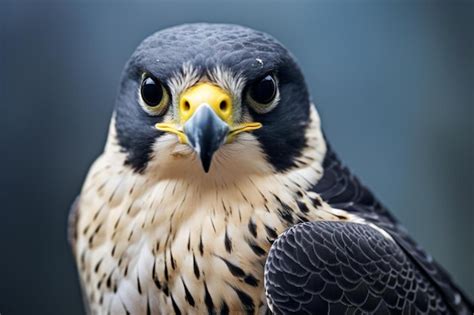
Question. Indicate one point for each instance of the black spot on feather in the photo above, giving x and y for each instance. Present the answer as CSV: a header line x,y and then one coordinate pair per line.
x,y
139,287
302,207
173,262
271,232
251,280
196,267
234,270
176,309
227,242
148,309
208,300
247,301
257,249
201,246
156,280
224,308
97,266
187,295
252,227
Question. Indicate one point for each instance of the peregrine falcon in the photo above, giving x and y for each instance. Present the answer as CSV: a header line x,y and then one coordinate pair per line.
x,y
218,193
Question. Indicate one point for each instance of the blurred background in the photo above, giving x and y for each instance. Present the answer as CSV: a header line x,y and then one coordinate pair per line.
x,y
393,81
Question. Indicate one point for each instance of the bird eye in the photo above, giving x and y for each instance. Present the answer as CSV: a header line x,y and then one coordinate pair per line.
x,y
154,96
262,94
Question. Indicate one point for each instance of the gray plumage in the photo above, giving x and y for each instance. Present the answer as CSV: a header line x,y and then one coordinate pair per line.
x,y
153,233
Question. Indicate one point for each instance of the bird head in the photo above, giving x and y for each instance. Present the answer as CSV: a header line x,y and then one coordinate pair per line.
x,y
206,94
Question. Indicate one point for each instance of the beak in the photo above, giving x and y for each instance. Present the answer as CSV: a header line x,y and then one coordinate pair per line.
x,y
206,132
206,121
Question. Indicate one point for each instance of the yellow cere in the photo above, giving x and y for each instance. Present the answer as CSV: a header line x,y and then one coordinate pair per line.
x,y
206,93
214,96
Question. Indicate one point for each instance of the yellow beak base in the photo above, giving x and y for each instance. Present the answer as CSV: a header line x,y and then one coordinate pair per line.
x,y
215,97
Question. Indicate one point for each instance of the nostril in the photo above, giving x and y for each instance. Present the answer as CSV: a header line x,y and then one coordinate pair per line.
x,y
186,106
223,106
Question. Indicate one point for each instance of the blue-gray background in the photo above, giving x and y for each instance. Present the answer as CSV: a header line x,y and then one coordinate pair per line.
x,y
393,81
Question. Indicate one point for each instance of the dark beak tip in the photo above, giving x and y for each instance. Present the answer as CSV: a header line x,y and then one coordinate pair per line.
x,y
206,162
206,166
206,132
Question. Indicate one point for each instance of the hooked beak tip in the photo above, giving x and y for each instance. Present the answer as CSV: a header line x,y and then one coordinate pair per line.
x,y
206,164
206,159
206,133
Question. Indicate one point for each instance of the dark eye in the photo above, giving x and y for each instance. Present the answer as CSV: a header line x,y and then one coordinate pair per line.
x,y
152,92
154,96
264,90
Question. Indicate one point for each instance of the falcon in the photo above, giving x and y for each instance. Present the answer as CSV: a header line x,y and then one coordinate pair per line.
x,y
218,193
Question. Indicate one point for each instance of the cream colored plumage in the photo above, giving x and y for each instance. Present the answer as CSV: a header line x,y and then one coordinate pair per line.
x,y
133,229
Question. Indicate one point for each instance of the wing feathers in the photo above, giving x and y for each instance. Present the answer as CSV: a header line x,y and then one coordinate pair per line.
x,y
343,267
